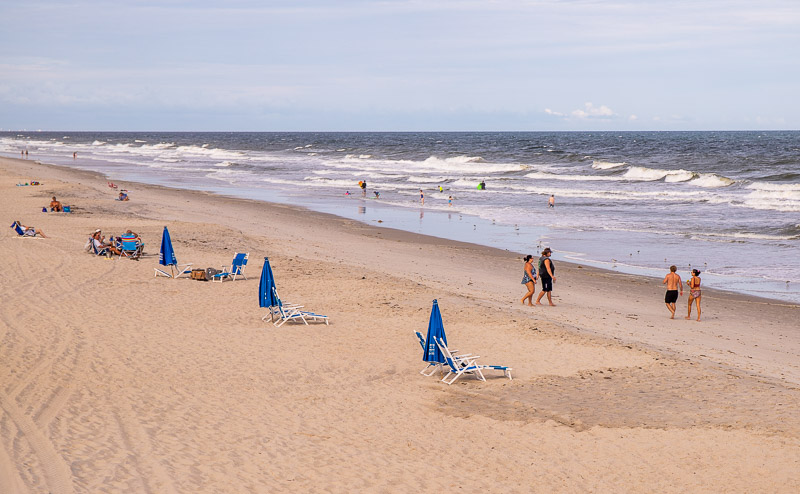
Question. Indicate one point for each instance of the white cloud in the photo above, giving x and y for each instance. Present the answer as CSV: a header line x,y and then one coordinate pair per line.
x,y
633,117
554,113
591,111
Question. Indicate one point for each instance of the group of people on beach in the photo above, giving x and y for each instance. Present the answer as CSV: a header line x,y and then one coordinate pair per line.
x,y
546,273
675,288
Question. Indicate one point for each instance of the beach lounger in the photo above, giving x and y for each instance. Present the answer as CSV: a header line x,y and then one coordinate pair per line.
x,y
466,365
286,312
179,270
437,365
29,233
235,269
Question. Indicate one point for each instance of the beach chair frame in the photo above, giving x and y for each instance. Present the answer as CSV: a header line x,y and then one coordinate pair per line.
x,y
467,365
292,312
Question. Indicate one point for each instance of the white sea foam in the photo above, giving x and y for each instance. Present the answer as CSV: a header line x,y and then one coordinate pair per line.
x,y
98,143
640,173
577,178
606,165
138,140
711,181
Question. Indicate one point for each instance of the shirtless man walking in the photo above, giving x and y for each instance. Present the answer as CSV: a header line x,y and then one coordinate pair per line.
x,y
673,282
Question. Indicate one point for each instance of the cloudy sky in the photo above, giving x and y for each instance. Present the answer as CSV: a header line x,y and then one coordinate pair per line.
x,y
399,65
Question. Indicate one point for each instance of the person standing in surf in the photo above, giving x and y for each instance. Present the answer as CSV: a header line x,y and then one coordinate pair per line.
x,y
547,274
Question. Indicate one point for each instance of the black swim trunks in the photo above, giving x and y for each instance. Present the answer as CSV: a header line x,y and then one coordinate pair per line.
x,y
547,284
671,297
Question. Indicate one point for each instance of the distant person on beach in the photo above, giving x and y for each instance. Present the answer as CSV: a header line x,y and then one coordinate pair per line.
x,y
450,201
26,153
25,229
377,194
674,283
363,185
123,197
547,274
482,185
529,279
75,155
441,189
347,193
421,197
694,293
55,205
552,201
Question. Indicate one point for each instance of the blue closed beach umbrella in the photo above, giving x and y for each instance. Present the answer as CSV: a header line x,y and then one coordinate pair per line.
x,y
435,331
166,256
266,287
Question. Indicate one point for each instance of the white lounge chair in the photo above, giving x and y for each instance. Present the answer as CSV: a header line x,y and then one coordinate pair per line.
x,y
175,270
287,312
436,365
466,365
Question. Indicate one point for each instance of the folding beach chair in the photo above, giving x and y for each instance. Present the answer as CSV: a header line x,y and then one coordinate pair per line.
x,y
437,365
235,269
130,247
467,365
286,312
175,271
29,233
96,251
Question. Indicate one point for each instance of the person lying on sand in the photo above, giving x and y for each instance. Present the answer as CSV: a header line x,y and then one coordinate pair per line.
x,y
123,197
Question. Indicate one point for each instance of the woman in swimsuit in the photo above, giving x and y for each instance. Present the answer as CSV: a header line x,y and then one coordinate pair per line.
x,y
529,279
694,293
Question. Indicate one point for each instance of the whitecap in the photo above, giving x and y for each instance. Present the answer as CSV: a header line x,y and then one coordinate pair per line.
x,y
643,174
711,181
606,165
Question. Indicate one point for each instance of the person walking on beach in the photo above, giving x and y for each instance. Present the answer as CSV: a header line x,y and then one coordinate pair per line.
x,y
694,293
674,283
421,197
547,274
529,280
552,201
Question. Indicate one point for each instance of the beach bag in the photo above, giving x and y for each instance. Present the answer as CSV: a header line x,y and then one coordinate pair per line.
x,y
88,246
199,274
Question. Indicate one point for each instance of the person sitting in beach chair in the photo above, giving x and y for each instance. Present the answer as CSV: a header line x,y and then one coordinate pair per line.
x,y
130,245
26,231
55,205
100,246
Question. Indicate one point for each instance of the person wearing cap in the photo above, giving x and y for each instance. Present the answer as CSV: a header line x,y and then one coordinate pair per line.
x,y
547,274
100,243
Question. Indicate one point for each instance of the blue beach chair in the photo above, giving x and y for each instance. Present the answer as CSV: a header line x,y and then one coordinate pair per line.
x,y
466,365
29,233
130,246
235,269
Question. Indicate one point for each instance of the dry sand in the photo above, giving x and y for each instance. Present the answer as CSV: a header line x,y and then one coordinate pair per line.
x,y
112,380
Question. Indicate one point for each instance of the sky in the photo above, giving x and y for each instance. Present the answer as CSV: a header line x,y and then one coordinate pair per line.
x,y
399,65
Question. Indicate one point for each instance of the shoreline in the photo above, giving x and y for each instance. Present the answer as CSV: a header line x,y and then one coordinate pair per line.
x,y
183,385
629,270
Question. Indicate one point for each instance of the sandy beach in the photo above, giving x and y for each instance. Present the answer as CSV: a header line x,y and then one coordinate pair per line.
x,y
113,380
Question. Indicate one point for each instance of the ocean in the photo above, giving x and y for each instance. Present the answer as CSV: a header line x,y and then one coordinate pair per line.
x,y
727,203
